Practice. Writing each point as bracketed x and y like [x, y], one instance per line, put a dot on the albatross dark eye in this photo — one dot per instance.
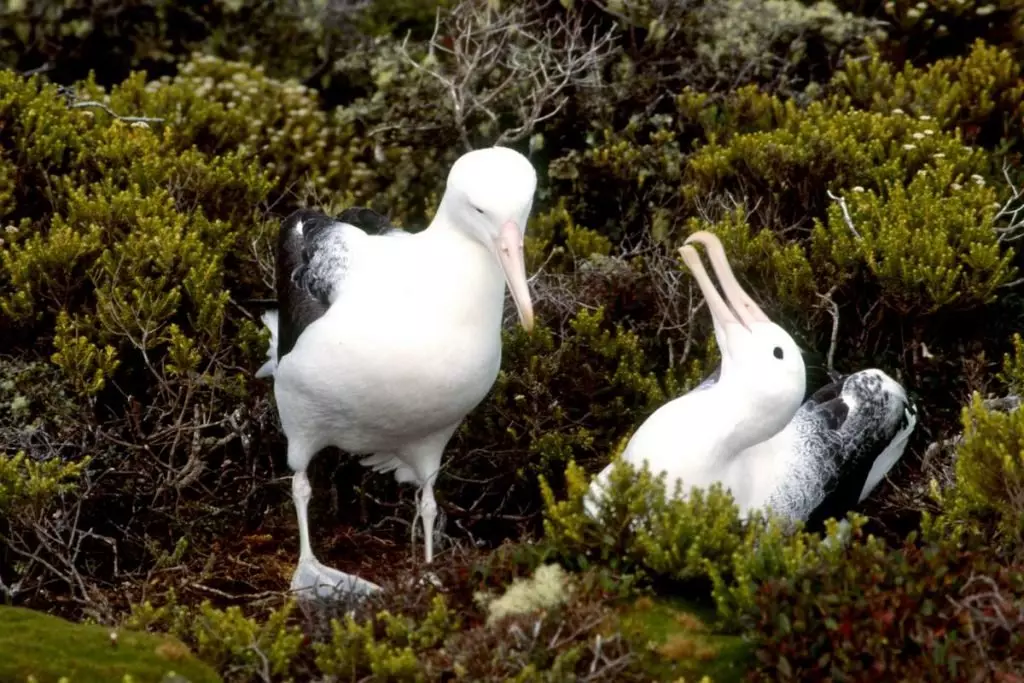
[478, 209]
[778, 352]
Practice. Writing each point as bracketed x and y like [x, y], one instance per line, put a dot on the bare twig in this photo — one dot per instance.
[1010, 212]
[491, 61]
[846, 213]
[833, 310]
[86, 104]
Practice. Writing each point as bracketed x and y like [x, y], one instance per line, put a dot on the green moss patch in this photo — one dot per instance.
[48, 648]
[683, 643]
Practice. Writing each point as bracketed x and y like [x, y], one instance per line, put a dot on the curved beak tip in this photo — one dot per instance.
[509, 246]
[704, 237]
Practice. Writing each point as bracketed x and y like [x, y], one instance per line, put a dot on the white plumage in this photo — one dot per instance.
[384, 342]
[746, 428]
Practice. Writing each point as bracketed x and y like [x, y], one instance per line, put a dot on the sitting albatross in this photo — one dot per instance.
[384, 342]
[745, 427]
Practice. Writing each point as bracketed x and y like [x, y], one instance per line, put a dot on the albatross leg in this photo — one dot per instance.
[424, 459]
[312, 579]
[302, 492]
[428, 512]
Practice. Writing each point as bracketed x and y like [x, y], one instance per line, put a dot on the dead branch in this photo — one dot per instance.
[93, 104]
[833, 309]
[846, 214]
[1012, 212]
[491, 61]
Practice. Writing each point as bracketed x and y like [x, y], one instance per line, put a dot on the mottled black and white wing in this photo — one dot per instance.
[313, 252]
[839, 445]
[865, 420]
[326, 246]
[368, 220]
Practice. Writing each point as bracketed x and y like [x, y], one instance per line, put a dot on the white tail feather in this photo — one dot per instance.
[386, 462]
[267, 369]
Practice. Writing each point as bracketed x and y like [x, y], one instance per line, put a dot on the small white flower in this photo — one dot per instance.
[929, 131]
[938, 155]
[925, 117]
[957, 186]
[858, 188]
[918, 136]
[897, 110]
[909, 146]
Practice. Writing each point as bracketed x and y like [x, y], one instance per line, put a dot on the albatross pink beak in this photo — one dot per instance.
[721, 314]
[510, 254]
[746, 309]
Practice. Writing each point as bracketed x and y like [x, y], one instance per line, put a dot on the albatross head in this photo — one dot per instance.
[489, 197]
[759, 358]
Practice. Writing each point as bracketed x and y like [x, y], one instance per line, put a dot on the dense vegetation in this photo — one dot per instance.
[858, 159]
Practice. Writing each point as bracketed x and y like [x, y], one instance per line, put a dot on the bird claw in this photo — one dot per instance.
[431, 578]
[315, 581]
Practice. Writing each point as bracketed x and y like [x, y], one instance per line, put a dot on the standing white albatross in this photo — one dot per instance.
[804, 462]
[383, 343]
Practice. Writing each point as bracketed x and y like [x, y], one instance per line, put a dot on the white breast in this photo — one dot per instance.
[410, 345]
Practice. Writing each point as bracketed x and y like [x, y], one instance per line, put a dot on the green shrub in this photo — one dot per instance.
[559, 397]
[544, 627]
[980, 93]
[126, 246]
[299, 38]
[989, 469]
[783, 45]
[933, 611]
[638, 530]
[229, 640]
[922, 32]
[28, 487]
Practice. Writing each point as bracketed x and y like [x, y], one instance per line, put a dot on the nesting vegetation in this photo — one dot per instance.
[859, 161]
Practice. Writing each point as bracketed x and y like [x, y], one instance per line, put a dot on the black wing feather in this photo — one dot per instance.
[855, 453]
[308, 263]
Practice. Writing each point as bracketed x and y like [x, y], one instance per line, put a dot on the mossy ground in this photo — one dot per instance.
[44, 648]
[686, 644]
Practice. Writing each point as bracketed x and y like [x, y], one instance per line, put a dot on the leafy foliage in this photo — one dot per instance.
[932, 611]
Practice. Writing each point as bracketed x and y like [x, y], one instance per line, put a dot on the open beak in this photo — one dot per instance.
[747, 312]
[510, 254]
[721, 314]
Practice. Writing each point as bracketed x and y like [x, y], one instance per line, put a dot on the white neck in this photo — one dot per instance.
[462, 269]
[746, 422]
